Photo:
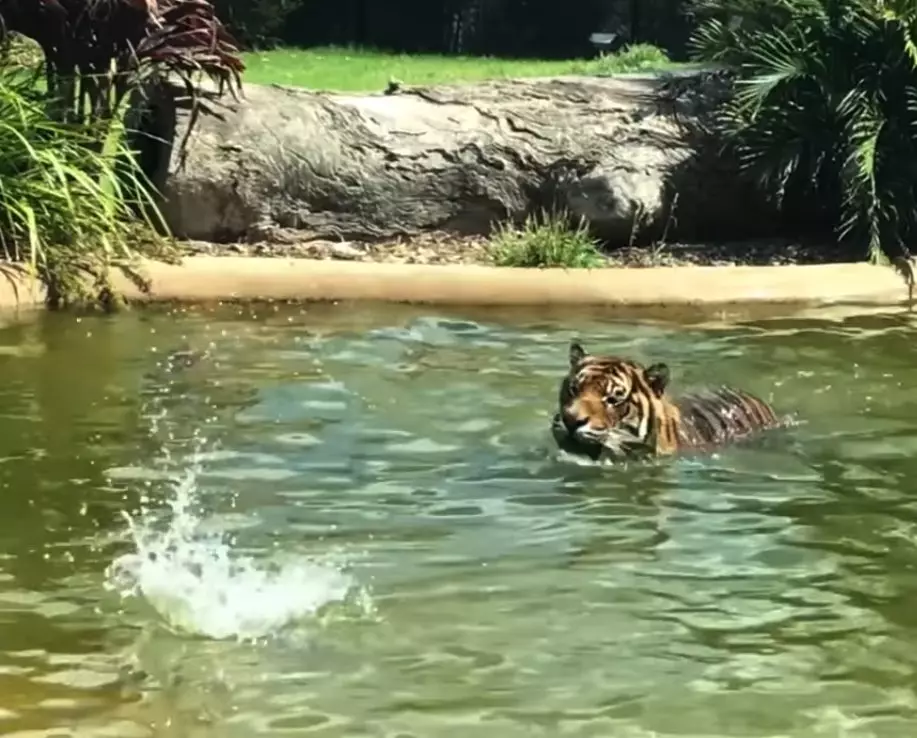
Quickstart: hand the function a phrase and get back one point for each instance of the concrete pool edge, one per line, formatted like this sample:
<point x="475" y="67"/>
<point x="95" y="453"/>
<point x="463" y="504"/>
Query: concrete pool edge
<point x="203" y="279"/>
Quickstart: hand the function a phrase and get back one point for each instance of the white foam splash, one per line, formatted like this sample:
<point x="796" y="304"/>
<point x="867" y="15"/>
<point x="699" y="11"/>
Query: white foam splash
<point x="199" y="583"/>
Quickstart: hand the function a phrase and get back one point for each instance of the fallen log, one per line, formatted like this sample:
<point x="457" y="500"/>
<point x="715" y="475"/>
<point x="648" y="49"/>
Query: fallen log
<point x="447" y="158"/>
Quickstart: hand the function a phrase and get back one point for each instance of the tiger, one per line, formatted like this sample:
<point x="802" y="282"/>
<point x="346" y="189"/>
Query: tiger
<point x="616" y="408"/>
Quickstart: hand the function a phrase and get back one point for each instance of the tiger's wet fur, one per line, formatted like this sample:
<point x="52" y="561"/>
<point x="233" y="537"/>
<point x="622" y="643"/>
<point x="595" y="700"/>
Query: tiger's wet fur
<point x="615" y="407"/>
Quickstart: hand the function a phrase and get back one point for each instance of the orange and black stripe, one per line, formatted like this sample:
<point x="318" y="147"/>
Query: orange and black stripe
<point x="722" y="415"/>
<point x="660" y="424"/>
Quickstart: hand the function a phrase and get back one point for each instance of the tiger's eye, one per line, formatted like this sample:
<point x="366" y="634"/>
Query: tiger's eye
<point x="616" y="395"/>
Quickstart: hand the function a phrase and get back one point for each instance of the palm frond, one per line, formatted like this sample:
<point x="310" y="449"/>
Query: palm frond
<point x="825" y="105"/>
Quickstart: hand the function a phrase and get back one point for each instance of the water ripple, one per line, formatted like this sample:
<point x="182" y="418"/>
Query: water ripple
<point x="381" y="507"/>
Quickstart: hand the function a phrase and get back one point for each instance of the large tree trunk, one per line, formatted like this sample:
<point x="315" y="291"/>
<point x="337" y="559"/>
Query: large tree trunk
<point x="454" y="158"/>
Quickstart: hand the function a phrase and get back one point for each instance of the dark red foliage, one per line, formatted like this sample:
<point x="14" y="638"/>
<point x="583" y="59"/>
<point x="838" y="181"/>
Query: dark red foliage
<point x="114" y="39"/>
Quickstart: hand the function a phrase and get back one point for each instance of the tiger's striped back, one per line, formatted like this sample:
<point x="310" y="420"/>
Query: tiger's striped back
<point x="722" y="415"/>
<point x="611" y="406"/>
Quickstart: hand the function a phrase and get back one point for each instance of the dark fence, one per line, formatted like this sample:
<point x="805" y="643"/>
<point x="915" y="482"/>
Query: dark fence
<point x="510" y="28"/>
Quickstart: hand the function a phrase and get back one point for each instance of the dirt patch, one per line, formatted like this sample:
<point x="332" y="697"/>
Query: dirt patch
<point x="445" y="248"/>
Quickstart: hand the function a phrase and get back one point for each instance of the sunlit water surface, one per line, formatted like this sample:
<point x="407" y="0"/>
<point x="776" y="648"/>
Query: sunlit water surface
<point x="342" y="521"/>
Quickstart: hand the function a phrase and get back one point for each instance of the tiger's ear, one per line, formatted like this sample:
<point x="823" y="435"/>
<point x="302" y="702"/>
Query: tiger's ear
<point x="577" y="353"/>
<point x="657" y="377"/>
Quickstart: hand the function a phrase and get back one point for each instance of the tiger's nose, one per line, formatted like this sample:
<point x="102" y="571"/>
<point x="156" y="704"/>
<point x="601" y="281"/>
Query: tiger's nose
<point x="573" y="422"/>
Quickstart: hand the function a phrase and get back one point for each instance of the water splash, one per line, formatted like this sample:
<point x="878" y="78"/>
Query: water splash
<point x="196" y="578"/>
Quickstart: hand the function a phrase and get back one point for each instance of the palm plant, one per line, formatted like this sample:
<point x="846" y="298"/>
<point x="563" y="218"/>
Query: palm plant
<point x="825" y="107"/>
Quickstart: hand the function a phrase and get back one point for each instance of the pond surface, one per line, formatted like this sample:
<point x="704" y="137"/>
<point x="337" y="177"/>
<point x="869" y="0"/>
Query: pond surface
<point x="345" y="521"/>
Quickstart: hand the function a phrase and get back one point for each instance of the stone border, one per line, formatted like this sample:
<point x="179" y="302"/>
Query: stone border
<point x="204" y="279"/>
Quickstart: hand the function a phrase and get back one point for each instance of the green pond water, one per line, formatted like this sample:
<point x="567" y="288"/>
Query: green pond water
<point x="351" y="521"/>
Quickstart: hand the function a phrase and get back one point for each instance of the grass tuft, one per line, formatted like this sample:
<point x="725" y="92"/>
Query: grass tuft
<point x="548" y="240"/>
<point x="635" y="58"/>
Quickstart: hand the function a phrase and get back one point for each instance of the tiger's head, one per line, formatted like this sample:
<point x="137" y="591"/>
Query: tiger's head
<point x="610" y="406"/>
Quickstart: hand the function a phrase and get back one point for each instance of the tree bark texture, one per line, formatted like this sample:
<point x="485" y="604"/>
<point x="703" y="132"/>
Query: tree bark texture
<point x="451" y="158"/>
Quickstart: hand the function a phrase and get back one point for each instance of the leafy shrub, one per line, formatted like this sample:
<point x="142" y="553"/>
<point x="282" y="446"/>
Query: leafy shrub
<point x="114" y="47"/>
<point x="825" y="108"/>
<point x="632" y="58"/>
<point x="72" y="195"/>
<point x="17" y="50"/>
<point x="67" y="207"/>
<point x="545" y="241"/>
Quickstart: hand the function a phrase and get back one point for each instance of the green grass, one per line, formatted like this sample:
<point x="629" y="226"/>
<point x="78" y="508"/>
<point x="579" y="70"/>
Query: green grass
<point x="358" y="70"/>
<point x="547" y="240"/>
